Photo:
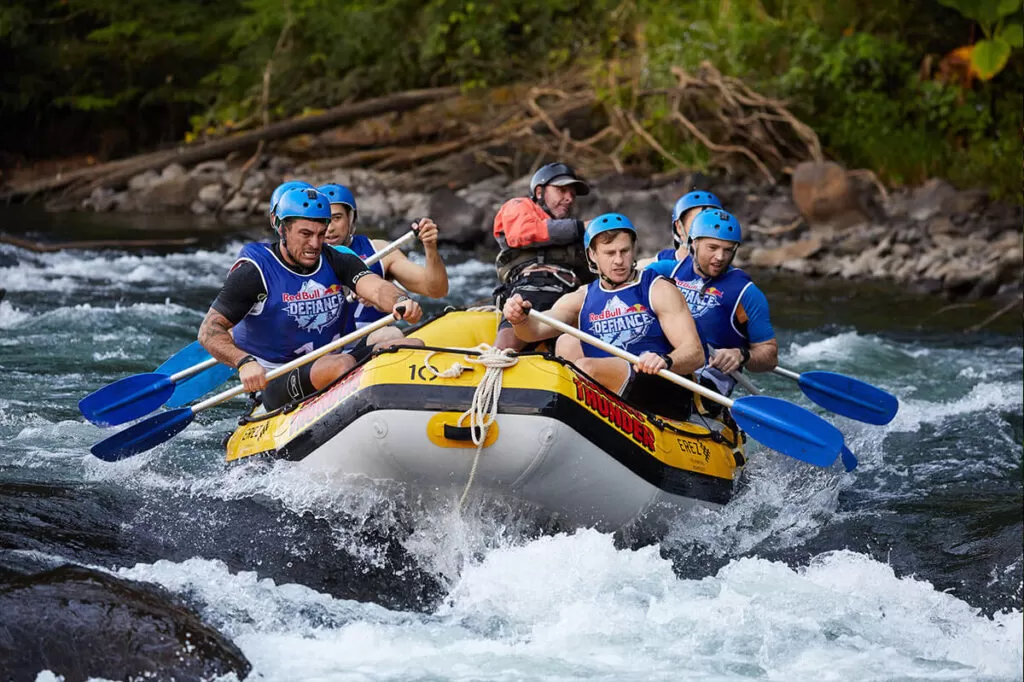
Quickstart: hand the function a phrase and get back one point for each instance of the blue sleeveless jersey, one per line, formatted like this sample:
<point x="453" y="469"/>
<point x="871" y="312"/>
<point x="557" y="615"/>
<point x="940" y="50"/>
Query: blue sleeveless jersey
<point x="666" y="254"/>
<point x="300" y="314"/>
<point x="363" y="315"/>
<point x="623" y="318"/>
<point x="713" y="304"/>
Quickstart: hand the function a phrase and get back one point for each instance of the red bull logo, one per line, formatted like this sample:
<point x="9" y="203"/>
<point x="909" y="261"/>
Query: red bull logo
<point x="610" y="312"/>
<point x="311" y="294"/>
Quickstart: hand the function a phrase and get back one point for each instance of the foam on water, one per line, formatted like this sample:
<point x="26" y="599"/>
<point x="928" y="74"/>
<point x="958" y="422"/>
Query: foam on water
<point x="77" y="270"/>
<point x="570" y="607"/>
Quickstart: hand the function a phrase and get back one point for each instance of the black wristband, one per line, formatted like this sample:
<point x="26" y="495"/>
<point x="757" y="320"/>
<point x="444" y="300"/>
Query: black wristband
<point x="745" y="352"/>
<point x="247" y="358"/>
<point x="668" y="360"/>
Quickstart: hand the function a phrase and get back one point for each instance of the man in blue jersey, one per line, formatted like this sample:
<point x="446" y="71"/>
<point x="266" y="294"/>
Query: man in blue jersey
<point x="285" y="299"/>
<point x="730" y="311"/>
<point x="429" y="280"/>
<point x="638" y="311"/>
<point x="686" y="209"/>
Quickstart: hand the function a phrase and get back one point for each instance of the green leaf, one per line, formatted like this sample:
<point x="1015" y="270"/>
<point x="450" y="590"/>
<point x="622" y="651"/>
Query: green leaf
<point x="1013" y="34"/>
<point x="1008" y="7"/>
<point x="989" y="57"/>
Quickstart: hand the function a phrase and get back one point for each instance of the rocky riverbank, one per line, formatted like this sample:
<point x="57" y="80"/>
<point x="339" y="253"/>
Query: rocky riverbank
<point x="827" y="223"/>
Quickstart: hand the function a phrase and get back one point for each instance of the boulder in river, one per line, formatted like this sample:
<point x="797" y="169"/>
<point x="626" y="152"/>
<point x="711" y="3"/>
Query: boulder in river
<point x="80" y="623"/>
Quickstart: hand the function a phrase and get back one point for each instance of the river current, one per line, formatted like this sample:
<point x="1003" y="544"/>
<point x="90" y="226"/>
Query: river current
<point x="909" y="567"/>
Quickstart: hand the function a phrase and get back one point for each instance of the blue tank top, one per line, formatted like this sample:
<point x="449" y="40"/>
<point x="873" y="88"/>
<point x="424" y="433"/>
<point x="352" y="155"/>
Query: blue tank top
<point x="666" y="254"/>
<point x="713" y="304"/>
<point x="300" y="314"/>
<point x="363" y="315"/>
<point x="623" y="318"/>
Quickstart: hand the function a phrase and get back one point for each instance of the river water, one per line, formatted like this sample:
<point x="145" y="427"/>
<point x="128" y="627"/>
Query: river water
<point x="910" y="567"/>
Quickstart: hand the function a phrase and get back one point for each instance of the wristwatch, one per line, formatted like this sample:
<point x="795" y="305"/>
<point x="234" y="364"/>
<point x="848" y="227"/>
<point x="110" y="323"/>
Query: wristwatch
<point x="668" y="360"/>
<point x="247" y="358"/>
<point x="745" y="352"/>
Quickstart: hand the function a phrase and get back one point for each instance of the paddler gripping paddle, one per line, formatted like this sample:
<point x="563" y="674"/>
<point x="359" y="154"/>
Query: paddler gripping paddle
<point x="775" y="423"/>
<point x="186" y="376"/>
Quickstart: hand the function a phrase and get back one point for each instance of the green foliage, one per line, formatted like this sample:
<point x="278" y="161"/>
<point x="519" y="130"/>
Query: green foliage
<point x="860" y="90"/>
<point x="989" y="56"/>
<point x="849" y="68"/>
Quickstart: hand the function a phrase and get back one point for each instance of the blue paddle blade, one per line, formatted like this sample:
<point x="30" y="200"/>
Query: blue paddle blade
<point x="189" y="356"/>
<point x="127" y="399"/>
<point x="849" y="459"/>
<point x="849" y="397"/>
<point x="789" y="429"/>
<point x="198" y="385"/>
<point x="143" y="436"/>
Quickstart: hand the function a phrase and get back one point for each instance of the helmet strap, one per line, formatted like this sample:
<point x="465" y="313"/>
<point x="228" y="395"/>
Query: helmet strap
<point x="540" y="200"/>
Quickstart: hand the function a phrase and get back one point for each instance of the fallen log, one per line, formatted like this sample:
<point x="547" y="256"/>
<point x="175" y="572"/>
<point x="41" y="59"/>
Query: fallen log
<point x="39" y="247"/>
<point x="115" y="173"/>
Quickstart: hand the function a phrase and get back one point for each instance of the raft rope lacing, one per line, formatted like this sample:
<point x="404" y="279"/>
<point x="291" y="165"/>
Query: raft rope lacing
<point x="483" y="410"/>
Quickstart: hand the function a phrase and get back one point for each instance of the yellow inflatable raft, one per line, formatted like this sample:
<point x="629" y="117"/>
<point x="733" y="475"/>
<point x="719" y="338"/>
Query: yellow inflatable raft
<point x="558" y="439"/>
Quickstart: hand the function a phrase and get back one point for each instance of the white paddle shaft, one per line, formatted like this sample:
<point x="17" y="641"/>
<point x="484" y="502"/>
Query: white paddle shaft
<point x="298" y="362"/>
<point x="630" y="358"/>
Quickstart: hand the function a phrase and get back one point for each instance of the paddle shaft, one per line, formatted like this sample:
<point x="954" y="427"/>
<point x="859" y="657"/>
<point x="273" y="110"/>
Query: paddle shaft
<point x="788" y="373"/>
<point x="298" y="362"/>
<point x="397" y="244"/>
<point x="630" y="358"/>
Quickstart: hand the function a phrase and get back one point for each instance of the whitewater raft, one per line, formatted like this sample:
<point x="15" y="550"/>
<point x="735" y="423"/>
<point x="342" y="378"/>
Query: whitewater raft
<point x="559" y="440"/>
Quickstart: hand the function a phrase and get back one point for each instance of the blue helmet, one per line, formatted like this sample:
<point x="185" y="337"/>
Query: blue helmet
<point x="688" y="201"/>
<point x="606" y="222"/>
<point x="339" y="194"/>
<point x="303" y="203"/>
<point x="279" y="191"/>
<point x="717" y="225"/>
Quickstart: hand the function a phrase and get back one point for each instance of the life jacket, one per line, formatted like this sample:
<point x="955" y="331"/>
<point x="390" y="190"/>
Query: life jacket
<point x="666" y="254"/>
<point x="521" y="223"/>
<point x="363" y="315"/>
<point x="713" y="304"/>
<point x="300" y="313"/>
<point x="623" y="318"/>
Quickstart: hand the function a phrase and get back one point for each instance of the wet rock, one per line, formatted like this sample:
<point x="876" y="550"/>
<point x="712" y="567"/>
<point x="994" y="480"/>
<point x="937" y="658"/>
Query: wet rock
<point x="410" y="206"/>
<point x="462" y="222"/>
<point x="930" y="199"/>
<point x="280" y="164"/>
<point x="254" y="181"/>
<point x="214" y="167"/>
<point x="770" y="258"/>
<point x="177" y="193"/>
<point x="652" y="219"/>
<point x="143" y="180"/>
<point x="824" y="194"/>
<point x="81" y="623"/>
<point x="211" y="196"/>
<point x="781" y="211"/>
<point x="239" y="202"/>
<point x="199" y="208"/>
<point x="374" y="207"/>
<point x="101" y="200"/>
<point x="173" y="171"/>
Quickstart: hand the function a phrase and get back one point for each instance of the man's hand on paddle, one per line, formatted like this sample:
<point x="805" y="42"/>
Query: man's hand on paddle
<point x="426" y="230"/>
<point x="253" y="376"/>
<point x="650" y="363"/>
<point x="407" y="309"/>
<point x="727" y="359"/>
<point x="515" y="310"/>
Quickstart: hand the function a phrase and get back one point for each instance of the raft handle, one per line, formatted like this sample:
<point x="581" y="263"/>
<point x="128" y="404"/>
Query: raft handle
<point x="464" y="433"/>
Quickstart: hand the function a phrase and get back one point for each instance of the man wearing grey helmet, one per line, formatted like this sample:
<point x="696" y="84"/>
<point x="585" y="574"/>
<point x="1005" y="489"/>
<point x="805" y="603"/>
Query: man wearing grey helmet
<point x="541" y="244"/>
